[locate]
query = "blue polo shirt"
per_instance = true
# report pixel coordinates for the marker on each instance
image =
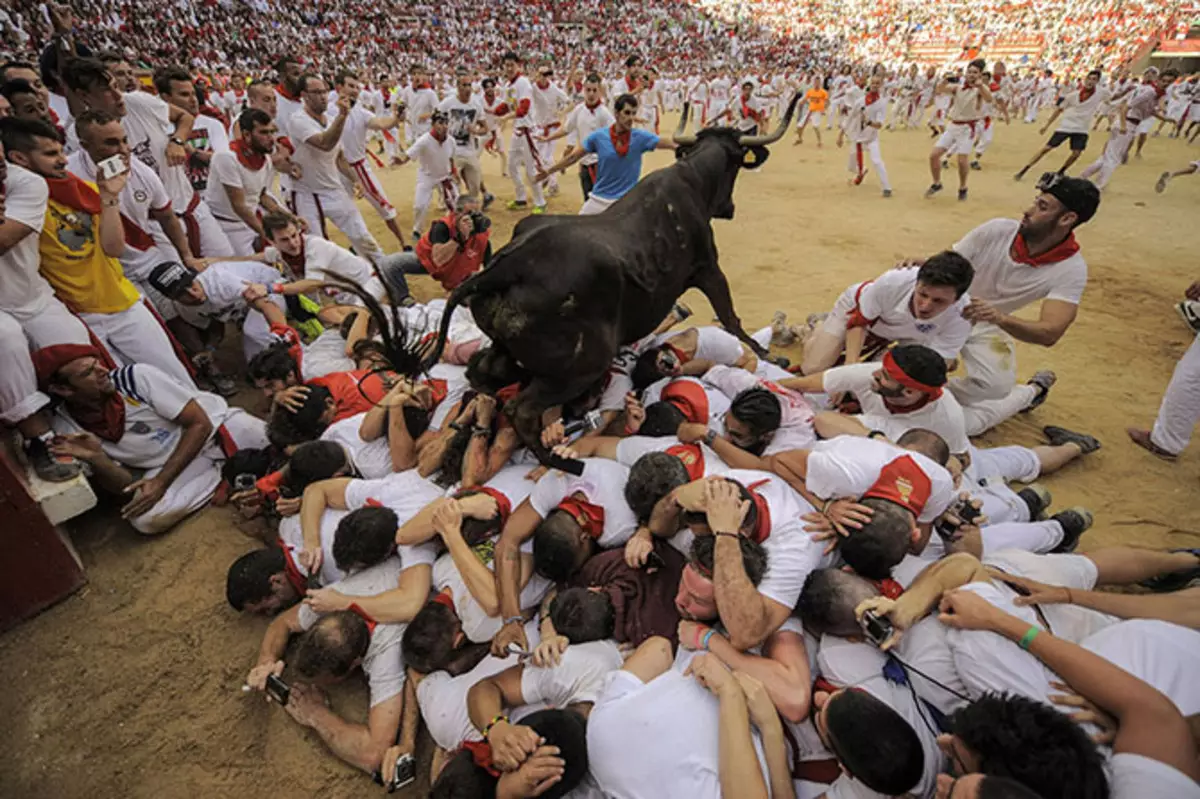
(617, 174)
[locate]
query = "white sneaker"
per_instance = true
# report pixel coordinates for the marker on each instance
(1189, 312)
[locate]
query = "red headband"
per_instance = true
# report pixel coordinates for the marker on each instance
(900, 376)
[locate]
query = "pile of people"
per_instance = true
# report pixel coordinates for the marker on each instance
(753, 582)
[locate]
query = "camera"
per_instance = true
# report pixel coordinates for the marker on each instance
(244, 482)
(404, 774)
(877, 628)
(278, 690)
(966, 513)
(479, 221)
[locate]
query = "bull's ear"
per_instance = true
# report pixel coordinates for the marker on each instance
(754, 157)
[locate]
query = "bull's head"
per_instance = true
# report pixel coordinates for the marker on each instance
(739, 151)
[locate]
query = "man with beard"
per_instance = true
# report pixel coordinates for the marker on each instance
(240, 182)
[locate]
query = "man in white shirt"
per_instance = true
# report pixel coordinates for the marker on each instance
(319, 194)
(309, 260)
(906, 306)
(522, 151)
(466, 113)
(31, 318)
(434, 154)
(240, 180)
(208, 135)
(1077, 109)
(586, 118)
(1018, 263)
(865, 116)
(422, 102)
(548, 102)
(745, 112)
(360, 123)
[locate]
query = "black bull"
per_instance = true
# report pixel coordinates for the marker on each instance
(567, 291)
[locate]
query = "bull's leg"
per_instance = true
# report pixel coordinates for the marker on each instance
(711, 281)
(527, 408)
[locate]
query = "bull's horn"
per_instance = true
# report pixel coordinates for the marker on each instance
(680, 138)
(771, 138)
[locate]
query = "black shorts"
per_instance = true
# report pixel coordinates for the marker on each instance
(1078, 140)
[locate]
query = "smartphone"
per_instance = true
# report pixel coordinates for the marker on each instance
(877, 628)
(404, 774)
(278, 690)
(111, 167)
(244, 482)
(655, 561)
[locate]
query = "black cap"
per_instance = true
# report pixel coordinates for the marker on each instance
(1076, 194)
(172, 279)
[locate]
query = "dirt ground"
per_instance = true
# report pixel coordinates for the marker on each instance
(130, 688)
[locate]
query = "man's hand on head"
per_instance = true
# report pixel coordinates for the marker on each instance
(724, 507)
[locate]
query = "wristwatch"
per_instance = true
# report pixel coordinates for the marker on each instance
(709, 438)
(176, 140)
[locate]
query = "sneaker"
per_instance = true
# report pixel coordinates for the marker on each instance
(1189, 312)
(516, 205)
(207, 371)
(1037, 498)
(976, 166)
(782, 361)
(488, 199)
(887, 192)
(1161, 185)
(781, 334)
(538, 210)
(1074, 522)
(1042, 381)
(48, 467)
(933, 189)
(962, 195)
(1057, 436)
(1174, 581)
(1142, 439)
(680, 311)
(945, 163)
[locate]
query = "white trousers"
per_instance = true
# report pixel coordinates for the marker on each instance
(990, 360)
(319, 208)
(984, 139)
(871, 149)
(522, 155)
(204, 229)
(1180, 407)
(595, 205)
(988, 476)
(1027, 536)
(372, 189)
(241, 237)
(1114, 151)
(195, 485)
(19, 334)
(136, 336)
(983, 416)
(423, 196)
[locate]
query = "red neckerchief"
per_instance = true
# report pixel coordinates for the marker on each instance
(424, 86)
(994, 86)
(445, 600)
(762, 521)
(680, 354)
(78, 194)
(295, 263)
(620, 141)
(1019, 251)
(362, 614)
(439, 388)
(503, 503)
(1085, 93)
(928, 393)
(631, 85)
(107, 421)
(579, 86)
(748, 112)
(246, 156)
(589, 517)
(437, 138)
(279, 87)
(481, 753)
(238, 92)
(291, 571)
(593, 108)
(889, 587)
(872, 97)
(543, 86)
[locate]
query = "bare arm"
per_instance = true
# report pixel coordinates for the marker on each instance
(400, 443)
(738, 766)
(197, 427)
(360, 745)
(329, 138)
(166, 219)
(237, 200)
(1056, 316)
(748, 615)
(400, 604)
(317, 497)
(855, 338)
(782, 669)
(517, 529)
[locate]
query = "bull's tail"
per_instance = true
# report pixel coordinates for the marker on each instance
(403, 355)
(493, 278)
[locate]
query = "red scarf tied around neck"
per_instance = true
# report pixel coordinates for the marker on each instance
(1059, 252)
(108, 420)
(246, 156)
(80, 195)
(620, 141)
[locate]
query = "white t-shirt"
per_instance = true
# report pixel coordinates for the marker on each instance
(23, 288)
(291, 533)
(382, 665)
(1010, 286)
(463, 117)
(225, 170)
(657, 740)
(323, 260)
(580, 676)
(718, 402)
(846, 663)
(861, 129)
(318, 167)
(791, 553)
(603, 483)
(1139, 777)
(1164, 655)
(285, 109)
(153, 399)
(795, 424)
(373, 459)
(847, 466)
(943, 416)
(421, 103)
(1077, 116)
(443, 701)
(406, 494)
(709, 463)
(712, 344)
(433, 156)
(223, 285)
(546, 103)
(148, 126)
(354, 134)
(583, 122)
(886, 302)
(514, 93)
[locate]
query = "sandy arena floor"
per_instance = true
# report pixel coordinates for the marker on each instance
(130, 688)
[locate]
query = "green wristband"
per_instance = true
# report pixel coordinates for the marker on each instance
(1027, 639)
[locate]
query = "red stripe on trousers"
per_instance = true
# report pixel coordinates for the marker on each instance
(368, 185)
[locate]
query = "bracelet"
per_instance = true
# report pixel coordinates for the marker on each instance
(699, 628)
(480, 430)
(1027, 639)
(1070, 599)
(275, 288)
(488, 727)
(707, 636)
(511, 619)
(825, 506)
